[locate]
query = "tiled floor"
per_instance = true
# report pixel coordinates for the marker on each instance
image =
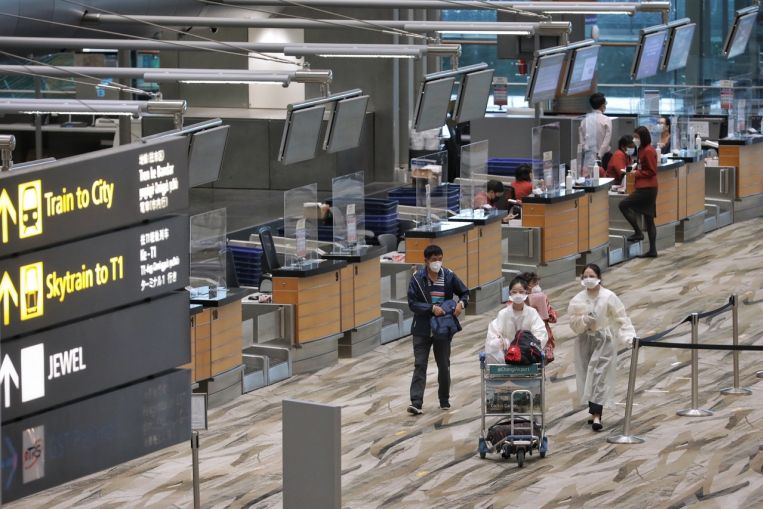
(391, 459)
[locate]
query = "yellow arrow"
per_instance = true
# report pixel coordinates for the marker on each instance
(7, 294)
(6, 209)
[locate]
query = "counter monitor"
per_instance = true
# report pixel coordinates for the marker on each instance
(300, 134)
(581, 70)
(545, 78)
(679, 44)
(473, 95)
(206, 155)
(346, 124)
(649, 53)
(433, 103)
(739, 35)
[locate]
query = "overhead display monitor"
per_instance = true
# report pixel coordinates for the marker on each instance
(206, 156)
(581, 70)
(545, 78)
(679, 44)
(432, 107)
(473, 95)
(741, 30)
(648, 57)
(300, 134)
(346, 124)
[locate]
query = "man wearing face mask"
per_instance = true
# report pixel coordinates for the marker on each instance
(429, 289)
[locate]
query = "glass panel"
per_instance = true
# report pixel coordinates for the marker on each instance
(208, 232)
(545, 140)
(302, 213)
(473, 189)
(430, 174)
(348, 211)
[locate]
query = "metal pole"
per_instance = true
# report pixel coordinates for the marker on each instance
(37, 122)
(735, 390)
(759, 374)
(195, 462)
(626, 437)
(694, 411)
(125, 122)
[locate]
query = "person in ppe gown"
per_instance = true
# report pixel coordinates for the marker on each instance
(598, 318)
(517, 316)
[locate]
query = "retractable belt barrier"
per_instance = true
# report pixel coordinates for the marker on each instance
(655, 341)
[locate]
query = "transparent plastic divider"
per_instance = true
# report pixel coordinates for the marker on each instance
(208, 261)
(302, 215)
(473, 189)
(348, 210)
(430, 176)
(546, 150)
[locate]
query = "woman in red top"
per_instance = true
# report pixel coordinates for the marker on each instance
(620, 160)
(643, 200)
(523, 185)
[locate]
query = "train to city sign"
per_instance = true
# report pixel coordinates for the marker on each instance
(92, 193)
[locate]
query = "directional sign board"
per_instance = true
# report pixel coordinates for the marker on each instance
(43, 370)
(92, 193)
(79, 279)
(62, 444)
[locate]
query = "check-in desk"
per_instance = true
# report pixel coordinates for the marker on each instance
(216, 343)
(691, 198)
(484, 260)
(453, 238)
(314, 291)
(746, 154)
(360, 296)
(593, 223)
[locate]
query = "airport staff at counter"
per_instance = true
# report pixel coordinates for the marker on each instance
(664, 142)
(523, 185)
(620, 159)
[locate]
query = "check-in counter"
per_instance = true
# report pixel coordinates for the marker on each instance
(558, 217)
(669, 176)
(453, 238)
(691, 198)
(593, 223)
(746, 154)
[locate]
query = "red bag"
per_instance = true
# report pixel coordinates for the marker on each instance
(524, 349)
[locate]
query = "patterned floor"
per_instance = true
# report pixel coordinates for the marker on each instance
(392, 460)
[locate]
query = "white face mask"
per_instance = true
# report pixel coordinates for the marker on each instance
(630, 151)
(590, 282)
(637, 142)
(536, 289)
(518, 298)
(435, 266)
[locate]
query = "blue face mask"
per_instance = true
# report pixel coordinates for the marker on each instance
(630, 151)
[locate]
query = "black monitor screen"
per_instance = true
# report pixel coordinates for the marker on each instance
(649, 55)
(678, 47)
(473, 95)
(206, 157)
(346, 124)
(545, 78)
(581, 70)
(739, 36)
(269, 252)
(434, 100)
(300, 134)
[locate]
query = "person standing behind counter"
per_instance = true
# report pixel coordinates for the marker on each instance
(643, 200)
(664, 143)
(600, 124)
(621, 159)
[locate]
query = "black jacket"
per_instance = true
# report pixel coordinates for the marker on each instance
(421, 305)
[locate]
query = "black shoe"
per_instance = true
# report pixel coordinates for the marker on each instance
(648, 255)
(414, 410)
(636, 237)
(596, 425)
(444, 405)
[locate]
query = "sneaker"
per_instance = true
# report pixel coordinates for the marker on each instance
(444, 405)
(414, 410)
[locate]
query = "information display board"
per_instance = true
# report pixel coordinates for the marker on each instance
(300, 134)
(679, 44)
(741, 30)
(581, 70)
(473, 95)
(433, 103)
(92, 193)
(66, 282)
(545, 78)
(648, 57)
(346, 124)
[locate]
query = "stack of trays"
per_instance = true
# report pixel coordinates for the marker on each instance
(505, 167)
(381, 216)
(407, 195)
(247, 262)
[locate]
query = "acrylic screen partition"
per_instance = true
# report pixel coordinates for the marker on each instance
(546, 149)
(581, 70)
(433, 103)
(348, 211)
(429, 174)
(208, 234)
(472, 190)
(739, 35)
(206, 155)
(473, 96)
(545, 78)
(300, 134)
(648, 55)
(302, 215)
(678, 47)
(346, 124)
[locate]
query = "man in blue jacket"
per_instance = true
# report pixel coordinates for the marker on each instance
(429, 288)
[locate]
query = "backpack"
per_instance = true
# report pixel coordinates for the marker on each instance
(524, 349)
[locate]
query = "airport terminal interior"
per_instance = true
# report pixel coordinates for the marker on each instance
(231, 229)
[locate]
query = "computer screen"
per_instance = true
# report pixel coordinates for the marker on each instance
(434, 100)
(648, 54)
(679, 45)
(545, 78)
(739, 35)
(581, 70)
(473, 95)
(300, 134)
(346, 124)
(206, 155)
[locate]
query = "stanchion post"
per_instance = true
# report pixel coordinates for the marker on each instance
(759, 374)
(735, 390)
(694, 411)
(626, 437)
(195, 461)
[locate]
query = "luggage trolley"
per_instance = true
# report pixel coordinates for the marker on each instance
(516, 396)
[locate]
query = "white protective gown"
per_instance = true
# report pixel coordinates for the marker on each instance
(596, 347)
(504, 327)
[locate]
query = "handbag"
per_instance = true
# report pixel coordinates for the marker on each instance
(524, 349)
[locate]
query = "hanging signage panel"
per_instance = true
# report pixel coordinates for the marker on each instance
(79, 279)
(75, 440)
(43, 370)
(92, 193)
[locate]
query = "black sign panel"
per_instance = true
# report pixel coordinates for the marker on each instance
(79, 279)
(54, 447)
(92, 193)
(43, 370)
